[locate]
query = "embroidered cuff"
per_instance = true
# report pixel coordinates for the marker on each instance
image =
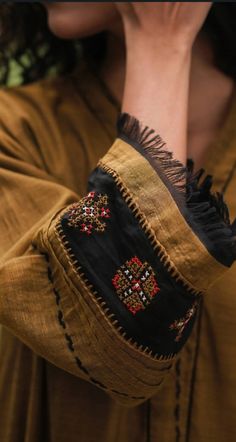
(114, 256)
(134, 241)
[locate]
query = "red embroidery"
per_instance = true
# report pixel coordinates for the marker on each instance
(180, 324)
(88, 215)
(135, 284)
(86, 229)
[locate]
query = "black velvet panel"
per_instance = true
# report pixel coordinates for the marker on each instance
(102, 252)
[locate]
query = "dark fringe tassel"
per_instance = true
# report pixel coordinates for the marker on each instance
(207, 212)
(152, 144)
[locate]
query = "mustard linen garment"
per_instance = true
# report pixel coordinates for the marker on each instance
(117, 299)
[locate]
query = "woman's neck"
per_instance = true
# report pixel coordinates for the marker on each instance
(210, 97)
(112, 70)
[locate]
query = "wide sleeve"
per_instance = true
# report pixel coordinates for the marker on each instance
(107, 286)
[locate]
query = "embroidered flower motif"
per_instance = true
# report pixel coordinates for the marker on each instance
(105, 213)
(86, 229)
(135, 284)
(88, 215)
(180, 324)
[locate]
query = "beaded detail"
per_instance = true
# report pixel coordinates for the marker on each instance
(135, 284)
(179, 325)
(90, 213)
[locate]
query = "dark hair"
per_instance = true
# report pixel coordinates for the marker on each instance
(26, 42)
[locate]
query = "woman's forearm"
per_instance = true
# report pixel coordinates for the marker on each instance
(159, 39)
(156, 92)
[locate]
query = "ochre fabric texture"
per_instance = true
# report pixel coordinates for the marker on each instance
(52, 135)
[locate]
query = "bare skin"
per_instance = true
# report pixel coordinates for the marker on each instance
(208, 101)
(169, 82)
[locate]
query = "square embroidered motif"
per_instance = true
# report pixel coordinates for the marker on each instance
(135, 284)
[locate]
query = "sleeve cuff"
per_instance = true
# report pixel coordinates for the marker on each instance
(130, 242)
(206, 212)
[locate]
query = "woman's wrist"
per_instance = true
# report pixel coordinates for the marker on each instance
(159, 56)
(171, 45)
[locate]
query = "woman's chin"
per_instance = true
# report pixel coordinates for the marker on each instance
(80, 19)
(63, 27)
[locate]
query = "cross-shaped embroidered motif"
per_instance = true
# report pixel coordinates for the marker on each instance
(180, 324)
(135, 284)
(89, 214)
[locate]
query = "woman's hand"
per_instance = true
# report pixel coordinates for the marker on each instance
(159, 39)
(165, 22)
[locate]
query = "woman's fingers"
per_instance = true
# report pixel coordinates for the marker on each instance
(127, 11)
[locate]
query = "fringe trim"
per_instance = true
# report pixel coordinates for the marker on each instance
(152, 145)
(207, 212)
